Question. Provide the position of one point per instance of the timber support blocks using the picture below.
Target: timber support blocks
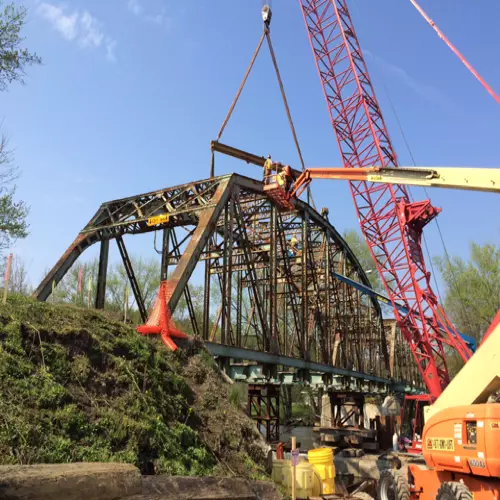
(264, 407)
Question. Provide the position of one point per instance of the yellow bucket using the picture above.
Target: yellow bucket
(322, 460)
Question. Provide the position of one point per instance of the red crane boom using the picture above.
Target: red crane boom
(391, 223)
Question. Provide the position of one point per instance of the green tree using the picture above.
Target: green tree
(13, 56)
(13, 224)
(472, 295)
(147, 274)
(360, 249)
(19, 277)
(69, 290)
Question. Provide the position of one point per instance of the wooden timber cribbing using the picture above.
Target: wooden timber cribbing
(112, 481)
(206, 488)
(78, 481)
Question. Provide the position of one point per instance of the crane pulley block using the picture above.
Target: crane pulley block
(417, 214)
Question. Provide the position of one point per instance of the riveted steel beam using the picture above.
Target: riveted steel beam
(260, 291)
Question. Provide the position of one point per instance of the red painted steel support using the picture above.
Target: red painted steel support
(160, 319)
(391, 224)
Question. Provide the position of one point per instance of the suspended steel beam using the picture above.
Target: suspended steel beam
(243, 155)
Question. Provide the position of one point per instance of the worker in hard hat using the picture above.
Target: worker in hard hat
(293, 246)
(268, 169)
(284, 177)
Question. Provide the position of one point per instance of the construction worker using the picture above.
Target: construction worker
(287, 177)
(284, 177)
(280, 176)
(268, 169)
(293, 248)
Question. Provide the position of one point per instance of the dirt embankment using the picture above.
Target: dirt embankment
(78, 386)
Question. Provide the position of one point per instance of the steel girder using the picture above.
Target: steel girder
(261, 290)
(130, 216)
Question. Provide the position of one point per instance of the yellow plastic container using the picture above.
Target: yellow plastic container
(322, 460)
(277, 473)
(286, 474)
(307, 483)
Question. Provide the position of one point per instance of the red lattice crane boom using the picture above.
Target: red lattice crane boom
(391, 223)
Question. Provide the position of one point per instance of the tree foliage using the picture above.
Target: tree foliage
(361, 250)
(70, 291)
(13, 56)
(13, 60)
(13, 213)
(74, 290)
(147, 274)
(472, 296)
(18, 282)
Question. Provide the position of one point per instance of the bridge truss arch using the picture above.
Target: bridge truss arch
(270, 278)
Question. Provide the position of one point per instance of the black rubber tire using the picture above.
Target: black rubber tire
(453, 491)
(392, 485)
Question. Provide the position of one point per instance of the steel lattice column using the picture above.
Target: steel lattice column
(392, 225)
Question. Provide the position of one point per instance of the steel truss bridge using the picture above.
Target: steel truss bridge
(265, 300)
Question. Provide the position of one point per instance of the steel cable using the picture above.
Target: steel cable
(235, 100)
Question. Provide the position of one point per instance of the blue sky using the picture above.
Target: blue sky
(132, 91)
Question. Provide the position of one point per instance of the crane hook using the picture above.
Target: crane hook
(267, 14)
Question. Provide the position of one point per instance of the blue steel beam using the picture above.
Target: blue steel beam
(266, 358)
(470, 341)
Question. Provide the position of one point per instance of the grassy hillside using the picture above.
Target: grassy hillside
(78, 386)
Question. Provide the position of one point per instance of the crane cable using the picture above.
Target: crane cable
(454, 280)
(466, 63)
(287, 108)
(283, 95)
(493, 94)
(235, 100)
(400, 126)
(240, 89)
(267, 35)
